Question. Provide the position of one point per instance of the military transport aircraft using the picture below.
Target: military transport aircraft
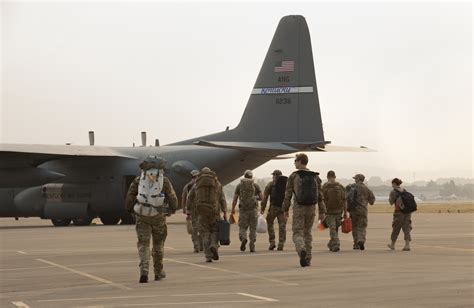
(78, 183)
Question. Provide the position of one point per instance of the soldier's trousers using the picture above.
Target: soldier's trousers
(303, 219)
(276, 212)
(359, 227)
(151, 228)
(401, 221)
(196, 236)
(248, 220)
(208, 228)
(334, 222)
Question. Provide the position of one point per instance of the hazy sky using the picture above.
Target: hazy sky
(396, 77)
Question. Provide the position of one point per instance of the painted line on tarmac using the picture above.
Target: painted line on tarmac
(86, 275)
(267, 299)
(178, 303)
(435, 247)
(20, 304)
(24, 268)
(233, 272)
(21, 252)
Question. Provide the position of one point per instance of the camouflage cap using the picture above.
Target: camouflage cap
(331, 174)
(153, 161)
(248, 173)
(195, 173)
(277, 172)
(359, 177)
(206, 169)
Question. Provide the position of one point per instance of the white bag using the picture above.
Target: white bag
(261, 224)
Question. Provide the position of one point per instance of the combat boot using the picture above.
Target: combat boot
(243, 244)
(280, 246)
(391, 246)
(303, 260)
(355, 246)
(196, 250)
(160, 275)
(407, 246)
(143, 278)
(215, 255)
(208, 260)
(361, 245)
(272, 246)
(252, 247)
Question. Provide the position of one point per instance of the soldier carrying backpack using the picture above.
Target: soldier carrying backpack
(208, 200)
(405, 204)
(334, 196)
(305, 185)
(246, 193)
(275, 191)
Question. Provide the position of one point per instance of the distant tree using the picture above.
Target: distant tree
(375, 181)
(468, 191)
(432, 184)
(449, 189)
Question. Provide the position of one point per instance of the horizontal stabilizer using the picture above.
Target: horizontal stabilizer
(335, 148)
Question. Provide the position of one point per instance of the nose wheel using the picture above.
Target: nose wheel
(62, 222)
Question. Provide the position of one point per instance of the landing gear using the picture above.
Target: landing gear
(61, 222)
(127, 219)
(82, 221)
(109, 220)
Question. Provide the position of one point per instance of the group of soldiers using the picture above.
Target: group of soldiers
(204, 201)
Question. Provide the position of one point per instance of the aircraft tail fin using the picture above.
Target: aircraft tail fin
(284, 104)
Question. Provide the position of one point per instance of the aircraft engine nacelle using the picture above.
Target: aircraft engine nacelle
(26, 177)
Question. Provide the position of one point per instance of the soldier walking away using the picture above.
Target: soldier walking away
(192, 214)
(305, 185)
(275, 190)
(357, 203)
(208, 199)
(151, 198)
(400, 220)
(247, 193)
(334, 196)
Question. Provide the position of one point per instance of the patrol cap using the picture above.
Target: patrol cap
(331, 174)
(206, 169)
(276, 172)
(195, 173)
(359, 176)
(248, 173)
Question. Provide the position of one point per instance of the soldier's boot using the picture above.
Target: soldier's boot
(215, 255)
(196, 250)
(208, 260)
(160, 275)
(407, 246)
(303, 260)
(361, 245)
(391, 245)
(355, 246)
(243, 244)
(272, 246)
(201, 248)
(143, 278)
(280, 246)
(252, 247)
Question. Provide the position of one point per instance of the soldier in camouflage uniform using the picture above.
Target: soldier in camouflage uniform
(364, 196)
(154, 227)
(208, 222)
(192, 215)
(400, 220)
(303, 214)
(334, 196)
(248, 193)
(275, 211)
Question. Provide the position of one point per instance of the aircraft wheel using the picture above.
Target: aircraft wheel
(81, 221)
(127, 219)
(109, 220)
(61, 222)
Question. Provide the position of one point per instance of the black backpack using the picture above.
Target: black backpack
(277, 194)
(408, 203)
(307, 190)
(351, 197)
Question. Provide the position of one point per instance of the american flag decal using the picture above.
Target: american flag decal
(286, 66)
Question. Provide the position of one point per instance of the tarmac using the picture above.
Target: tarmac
(97, 266)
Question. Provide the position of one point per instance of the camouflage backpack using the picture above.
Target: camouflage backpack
(207, 194)
(306, 187)
(351, 197)
(247, 199)
(334, 195)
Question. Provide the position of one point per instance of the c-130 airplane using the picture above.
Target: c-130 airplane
(67, 183)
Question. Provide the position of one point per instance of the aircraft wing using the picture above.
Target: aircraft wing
(336, 148)
(32, 155)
